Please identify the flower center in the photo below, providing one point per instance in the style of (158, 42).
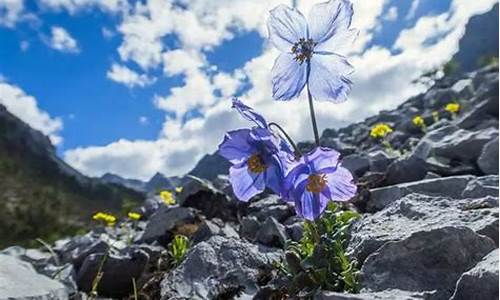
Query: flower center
(316, 183)
(303, 50)
(255, 164)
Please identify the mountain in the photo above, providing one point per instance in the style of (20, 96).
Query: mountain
(480, 41)
(133, 184)
(210, 166)
(41, 195)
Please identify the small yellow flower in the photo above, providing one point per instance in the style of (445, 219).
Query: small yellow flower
(418, 121)
(167, 197)
(380, 130)
(109, 219)
(452, 108)
(179, 189)
(134, 216)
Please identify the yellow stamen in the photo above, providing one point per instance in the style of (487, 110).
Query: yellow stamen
(255, 164)
(316, 183)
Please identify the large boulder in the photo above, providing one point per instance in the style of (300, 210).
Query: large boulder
(430, 260)
(210, 201)
(164, 221)
(480, 282)
(216, 267)
(455, 143)
(118, 271)
(406, 170)
(20, 281)
(456, 187)
(417, 212)
(488, 160)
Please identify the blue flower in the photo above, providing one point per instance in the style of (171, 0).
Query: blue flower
(249, 114)
(260, 158)
(256, 162)
(317, 179)
(310, 51)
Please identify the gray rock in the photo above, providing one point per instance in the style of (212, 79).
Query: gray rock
(217, 265)
(249, 227)
(211, 202)
(295, 230)
(35, 257)
(118, 271)
(272, 233)
(455, 143)
(417, 212)
(164, 220)
(379, 161)
(270, 206)
(356, 163)
(64, 274)
(390, 294)
(18, 280)
(480, 282)
(406, 170)
(425, 261)
(453, 187)
(488, 160)
(206, 230)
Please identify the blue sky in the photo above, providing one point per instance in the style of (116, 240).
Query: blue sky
(178, 63)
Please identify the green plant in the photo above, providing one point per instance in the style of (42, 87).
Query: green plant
(318, 261)
(178, 249)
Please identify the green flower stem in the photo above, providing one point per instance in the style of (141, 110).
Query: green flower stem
(315, 232)
(313, 117)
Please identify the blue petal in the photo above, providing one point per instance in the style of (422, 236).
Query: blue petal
(292, 180)
(246, 184)
(288, 77)
(327, 77)
(309, 205)
(330, 20)
(340, 185)
(274, 177)
(236, 146)
(321, 160)
(286, 26)
(248, 113)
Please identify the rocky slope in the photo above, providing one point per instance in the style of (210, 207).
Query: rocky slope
(41, 196)
(429, 225)
(429, 228)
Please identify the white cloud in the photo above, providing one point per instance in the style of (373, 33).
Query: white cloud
(128, 77)
(107, 33)
(381, 81)
(62, 41)
(143, 120)
(10, 12)
(73, 6)
(392, 14)
(26, 108)
(413, 9)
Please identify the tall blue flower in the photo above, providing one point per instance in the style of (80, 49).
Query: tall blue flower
(310, 51)
(260, 158)
(317, 179)
(256, 162)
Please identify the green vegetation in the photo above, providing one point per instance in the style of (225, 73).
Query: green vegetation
(38, 199)
(318, 261)
(488, 60)
(178, 249)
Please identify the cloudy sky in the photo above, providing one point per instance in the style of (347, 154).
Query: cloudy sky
(136, 87)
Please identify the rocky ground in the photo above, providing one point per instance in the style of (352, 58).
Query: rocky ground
(429, 225)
